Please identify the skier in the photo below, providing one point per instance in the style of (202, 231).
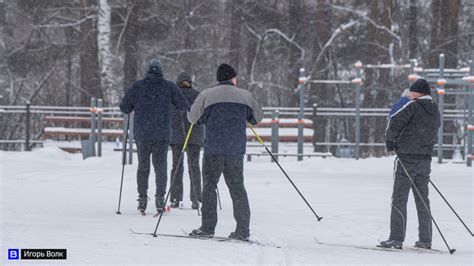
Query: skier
(179, 128)
(151, 98)
(411, 133)
(225, 111)
(404, 98)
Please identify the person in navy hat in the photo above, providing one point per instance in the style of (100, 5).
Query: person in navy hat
(151, 99)
(411, 133)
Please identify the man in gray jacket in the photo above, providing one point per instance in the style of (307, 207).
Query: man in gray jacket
(411, 133)
(225, 111)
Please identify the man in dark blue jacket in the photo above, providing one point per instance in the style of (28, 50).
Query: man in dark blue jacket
(225, 111)
(151, 99)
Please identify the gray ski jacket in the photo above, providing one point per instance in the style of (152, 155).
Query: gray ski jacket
(225, 111)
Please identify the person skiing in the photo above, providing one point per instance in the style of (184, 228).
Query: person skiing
(411, 133)
(179, 128)
(404, 98)
(151, 99)
(225, 111)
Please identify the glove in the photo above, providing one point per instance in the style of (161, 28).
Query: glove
(390, 145)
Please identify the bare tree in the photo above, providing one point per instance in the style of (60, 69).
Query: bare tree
(104, 44)
(90, 70)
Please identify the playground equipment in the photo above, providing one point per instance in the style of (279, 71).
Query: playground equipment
(441, 77)
(356, 82)
(445, 79)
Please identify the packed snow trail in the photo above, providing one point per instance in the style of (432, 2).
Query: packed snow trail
(51, 199)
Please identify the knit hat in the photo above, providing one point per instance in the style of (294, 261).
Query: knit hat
(421, 86)
(225, 72)
(184, 76)
(154, 66)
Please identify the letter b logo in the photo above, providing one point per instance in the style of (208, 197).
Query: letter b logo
(13, 254)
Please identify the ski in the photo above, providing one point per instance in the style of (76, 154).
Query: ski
(215, 238)
(186, 209)
(226, 239)
(142, 212)
(139, 233)
(378, 248)
(151, 234)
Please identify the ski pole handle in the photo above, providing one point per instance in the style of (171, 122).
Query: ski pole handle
(255, 133)
(187, 137)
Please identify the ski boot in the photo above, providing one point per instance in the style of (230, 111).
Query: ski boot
(420, 244)
(142, 202)
(240, 237)
(391, 244)
(174, 203)
(195, 205)
(160, 204)
(200, 233)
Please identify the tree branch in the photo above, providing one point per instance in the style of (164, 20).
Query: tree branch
(364, 16)
(336, 33)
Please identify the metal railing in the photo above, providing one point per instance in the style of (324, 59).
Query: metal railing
(270, 112)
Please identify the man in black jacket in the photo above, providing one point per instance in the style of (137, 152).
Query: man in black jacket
(411, 133)
(179, 129)
(152, 98)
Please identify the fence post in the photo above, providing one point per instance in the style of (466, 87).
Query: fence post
(130, 139)
(470, 133)
(441, 93)
(358, 82)
(124, 143)
(100, 110)
(275, 138)
(27, 126)
(92, 136)
(315, 111)
(302, 81)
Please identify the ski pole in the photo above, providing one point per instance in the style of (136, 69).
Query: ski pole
(451, 251)
(281, 168)
(193, 196)
(219, 198)
(124, 155)
(172, 178)
(445, 200)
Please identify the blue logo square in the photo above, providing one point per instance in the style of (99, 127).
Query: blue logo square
(13, 254)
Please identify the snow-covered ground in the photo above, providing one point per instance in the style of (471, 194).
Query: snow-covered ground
(52, 199)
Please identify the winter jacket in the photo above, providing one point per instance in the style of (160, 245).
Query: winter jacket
(414, 127)
(399, 104)
(152, 98)
(180, 124)
(225, 111)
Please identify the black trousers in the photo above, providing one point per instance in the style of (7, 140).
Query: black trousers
(158, 151)
(419, 168)
(193, 154)
(232, 167)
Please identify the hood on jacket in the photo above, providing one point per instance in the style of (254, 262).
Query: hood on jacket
(426, 102)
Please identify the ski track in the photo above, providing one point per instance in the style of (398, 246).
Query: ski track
(51, 199)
